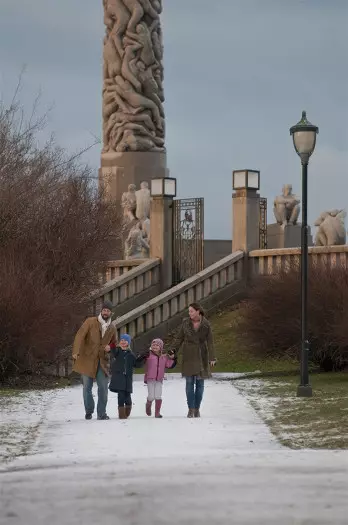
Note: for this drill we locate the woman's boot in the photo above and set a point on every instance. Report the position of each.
(148, 408)
(197, 413)
(122, 413)
(158, 404)
(128, 410)
(191, 412)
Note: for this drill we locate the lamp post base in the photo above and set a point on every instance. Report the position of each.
(304, 391)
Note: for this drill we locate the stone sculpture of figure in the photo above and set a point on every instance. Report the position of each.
(286, 207)
(133, 76)
(129, 202)
(127, 92)
(136, 245)
(143, 38)
(143, 201)
(331, 228)
(150, 86)
(147, 230)
(116, 11)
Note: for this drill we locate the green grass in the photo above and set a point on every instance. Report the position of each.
(233, 356)
(319, 422)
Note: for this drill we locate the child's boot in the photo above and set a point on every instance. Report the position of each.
(122, 412)
(148, 408)
(128, 409)
(158, 404)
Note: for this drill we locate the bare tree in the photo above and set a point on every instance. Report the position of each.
(55, 228)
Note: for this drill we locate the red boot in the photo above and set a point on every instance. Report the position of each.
(158, 404)
(148, 408)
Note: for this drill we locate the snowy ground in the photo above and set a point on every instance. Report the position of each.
(224, 468)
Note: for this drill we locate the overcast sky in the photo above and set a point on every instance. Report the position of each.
(237, 75)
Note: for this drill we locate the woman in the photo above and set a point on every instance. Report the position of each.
(196, 340)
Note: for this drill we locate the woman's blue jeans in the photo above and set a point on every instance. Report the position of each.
(194, 391)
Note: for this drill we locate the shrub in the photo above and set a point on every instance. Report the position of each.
(55, 229)
(271, 315)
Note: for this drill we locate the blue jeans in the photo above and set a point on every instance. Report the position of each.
(194, 391)
(102, 382)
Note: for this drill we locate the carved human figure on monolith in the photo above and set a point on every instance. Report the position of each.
(133, 76)
(331, 228)
(286, 207)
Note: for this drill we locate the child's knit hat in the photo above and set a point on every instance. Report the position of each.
(126, 337)
(158, 342)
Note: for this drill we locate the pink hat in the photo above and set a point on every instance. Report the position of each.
(158, 342)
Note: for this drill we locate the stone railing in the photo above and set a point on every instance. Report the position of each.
(127, 291)
(218, 284)
(270, 262)
(117, 268)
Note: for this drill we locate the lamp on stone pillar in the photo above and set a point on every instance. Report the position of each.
(163, 191)
(246, 210)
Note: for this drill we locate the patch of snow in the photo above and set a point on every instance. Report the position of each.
(223, 468)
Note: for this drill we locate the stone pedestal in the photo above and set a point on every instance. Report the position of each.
(161, 237)
(246, 220)
(288, 236)
(118, 170)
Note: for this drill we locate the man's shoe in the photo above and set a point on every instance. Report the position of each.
(105, 417)
(88, 416)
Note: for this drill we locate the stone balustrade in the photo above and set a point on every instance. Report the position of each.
(219, 283)
(117, 268)
(270, 262)
(138, 284)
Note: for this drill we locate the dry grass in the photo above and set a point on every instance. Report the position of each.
(320, 422)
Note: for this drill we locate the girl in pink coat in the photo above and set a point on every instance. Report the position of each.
(156, 363)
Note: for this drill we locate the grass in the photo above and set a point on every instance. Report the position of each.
(320, 422)
(232, 356)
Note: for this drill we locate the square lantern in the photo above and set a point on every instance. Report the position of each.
(163, 187)
(246, 180)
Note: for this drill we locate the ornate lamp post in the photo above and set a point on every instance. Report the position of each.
(304, 136)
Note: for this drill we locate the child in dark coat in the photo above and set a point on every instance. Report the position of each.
(122, 366)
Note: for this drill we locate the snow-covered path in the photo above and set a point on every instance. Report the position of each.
(224, 468)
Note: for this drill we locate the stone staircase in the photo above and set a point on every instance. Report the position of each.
(220, 283)
(144, 312)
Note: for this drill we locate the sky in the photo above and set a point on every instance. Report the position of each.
(238, 74)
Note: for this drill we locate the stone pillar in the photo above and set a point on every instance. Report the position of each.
(118, 170)
(161, 237)
(133, 114)
(246, 220)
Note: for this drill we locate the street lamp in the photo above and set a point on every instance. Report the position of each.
(304, 135)
(163, 187)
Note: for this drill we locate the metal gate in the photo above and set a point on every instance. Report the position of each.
(188, 238)
(263, 223)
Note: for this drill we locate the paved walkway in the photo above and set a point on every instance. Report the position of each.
(224, 468)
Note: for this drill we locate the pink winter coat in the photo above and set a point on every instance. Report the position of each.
(155, 367)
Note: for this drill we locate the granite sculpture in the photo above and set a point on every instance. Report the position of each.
(331, 228)
(133, 114)
(286, 207)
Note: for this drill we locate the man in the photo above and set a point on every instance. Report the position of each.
(91, 358)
